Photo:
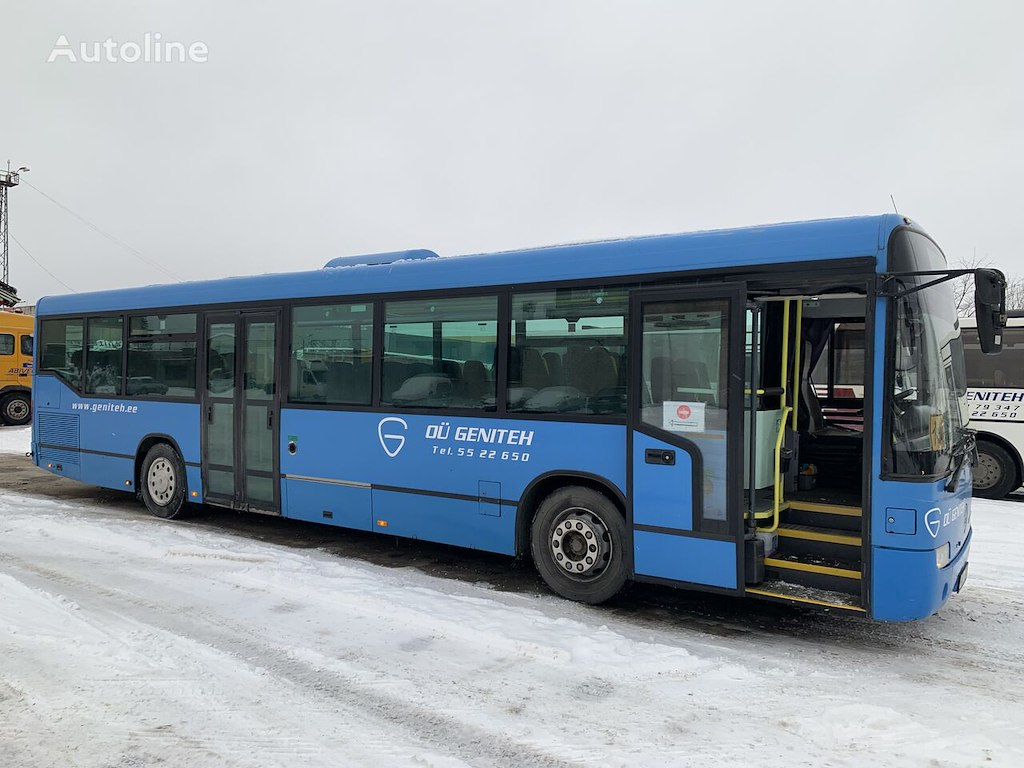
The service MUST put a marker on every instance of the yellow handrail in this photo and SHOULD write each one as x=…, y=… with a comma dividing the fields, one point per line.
x=778, y=471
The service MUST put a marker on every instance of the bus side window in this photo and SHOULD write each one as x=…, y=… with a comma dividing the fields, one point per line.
x=332, y=354
x=6, y=344
x=61, y=344
x=27, y=346
x=568, y=351
x=440, y=353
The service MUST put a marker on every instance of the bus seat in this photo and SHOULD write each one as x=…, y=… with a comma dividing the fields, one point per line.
x=575, y=367
x=475, y=380
x=811, y=410
x=599, y=369
x=556, y=372
x=535, y=372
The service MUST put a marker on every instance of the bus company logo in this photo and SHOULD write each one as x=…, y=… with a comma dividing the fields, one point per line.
x=391, y=442
x=933, y=521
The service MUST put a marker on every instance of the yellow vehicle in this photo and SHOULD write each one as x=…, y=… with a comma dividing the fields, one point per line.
x=15, y=367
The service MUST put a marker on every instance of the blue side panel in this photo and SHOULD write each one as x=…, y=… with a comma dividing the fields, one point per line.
x=194, y=477
x=59, y=461
x=682, y=558
x=448, y=521
x=111, y=426
x=108, y=471
x=348, y=506
x=662, y=495
x=468, y=458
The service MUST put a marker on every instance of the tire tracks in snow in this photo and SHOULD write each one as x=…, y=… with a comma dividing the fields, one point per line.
x=432, y=730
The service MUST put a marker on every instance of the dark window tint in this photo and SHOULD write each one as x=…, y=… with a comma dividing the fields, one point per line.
x=162, y=325
x=6, y=344
x=332, y=354
x=1003, y=370
x=61, y=342
x=26, y=346
x=103, y=359
x=568, y=351
x=165, y=368
x=440, y=353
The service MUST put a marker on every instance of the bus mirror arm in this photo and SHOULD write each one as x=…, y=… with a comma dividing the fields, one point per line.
x=989, y=298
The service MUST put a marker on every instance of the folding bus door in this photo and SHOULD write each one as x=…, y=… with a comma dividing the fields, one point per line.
x=686, y=419
x=241, y=406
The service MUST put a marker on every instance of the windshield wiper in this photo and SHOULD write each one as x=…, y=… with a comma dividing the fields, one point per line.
x=963, y=448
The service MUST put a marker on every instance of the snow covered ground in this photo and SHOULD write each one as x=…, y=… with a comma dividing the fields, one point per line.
x=128, y=641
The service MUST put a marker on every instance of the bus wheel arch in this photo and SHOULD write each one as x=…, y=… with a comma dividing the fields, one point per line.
x=579, y=543
x=997, y=455
x=160, y=477
x=16, y=407
x=544, y=485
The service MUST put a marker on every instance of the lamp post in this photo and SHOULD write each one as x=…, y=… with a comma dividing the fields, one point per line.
x=8, y=179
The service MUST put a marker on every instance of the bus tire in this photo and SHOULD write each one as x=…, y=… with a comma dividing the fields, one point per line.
x=995, y=475
x=162, y=482
x=578, y=541
x=16, y=409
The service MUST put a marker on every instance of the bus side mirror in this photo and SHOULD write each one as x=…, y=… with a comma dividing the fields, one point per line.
x=990, y=308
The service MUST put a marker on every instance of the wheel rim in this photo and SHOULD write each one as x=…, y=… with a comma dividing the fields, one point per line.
x=580, y=544
x=17, y=409
x=987, y=472
x=161, y=481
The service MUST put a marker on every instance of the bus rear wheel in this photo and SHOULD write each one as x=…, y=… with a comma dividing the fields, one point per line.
x=995, y=475
x=578, y=542
x=162, y=482
x=16, y=409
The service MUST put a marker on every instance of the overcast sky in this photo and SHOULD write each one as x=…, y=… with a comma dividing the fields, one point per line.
x=322, y=129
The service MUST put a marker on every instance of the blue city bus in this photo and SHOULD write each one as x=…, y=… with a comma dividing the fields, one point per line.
x=629, y=410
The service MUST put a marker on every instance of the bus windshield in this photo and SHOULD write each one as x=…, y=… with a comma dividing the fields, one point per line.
x=929, y=389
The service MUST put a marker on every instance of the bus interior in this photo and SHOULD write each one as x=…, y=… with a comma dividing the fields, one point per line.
x=804, y=447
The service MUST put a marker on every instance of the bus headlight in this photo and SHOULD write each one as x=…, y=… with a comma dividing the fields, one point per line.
x=942, y=555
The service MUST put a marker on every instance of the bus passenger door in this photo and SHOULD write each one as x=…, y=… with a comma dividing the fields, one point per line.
x=686, y=420
x=241, y=409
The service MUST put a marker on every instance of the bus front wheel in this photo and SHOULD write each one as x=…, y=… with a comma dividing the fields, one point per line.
x=162, y=482
x=995, y=475
x=578, y=541
x=16, y=409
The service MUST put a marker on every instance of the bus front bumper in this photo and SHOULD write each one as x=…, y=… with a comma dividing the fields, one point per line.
x=906, y=584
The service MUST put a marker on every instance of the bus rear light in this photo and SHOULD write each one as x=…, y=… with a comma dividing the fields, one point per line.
x=128, y=483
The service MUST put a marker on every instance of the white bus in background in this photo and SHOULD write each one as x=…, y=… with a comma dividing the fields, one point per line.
x=995, y=395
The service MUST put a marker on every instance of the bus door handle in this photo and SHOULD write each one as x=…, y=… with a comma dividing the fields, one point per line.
x=270, y=418
x=660, y=456
x=209, y=414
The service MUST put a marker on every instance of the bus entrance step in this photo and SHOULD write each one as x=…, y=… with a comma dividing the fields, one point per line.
x=835, y=516
x=815, y=571
x=815, y=533
x=787, y=592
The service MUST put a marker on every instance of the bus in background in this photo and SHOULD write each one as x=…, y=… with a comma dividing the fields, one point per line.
x=15, y=367
x=636, y=409
x=995, y=396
